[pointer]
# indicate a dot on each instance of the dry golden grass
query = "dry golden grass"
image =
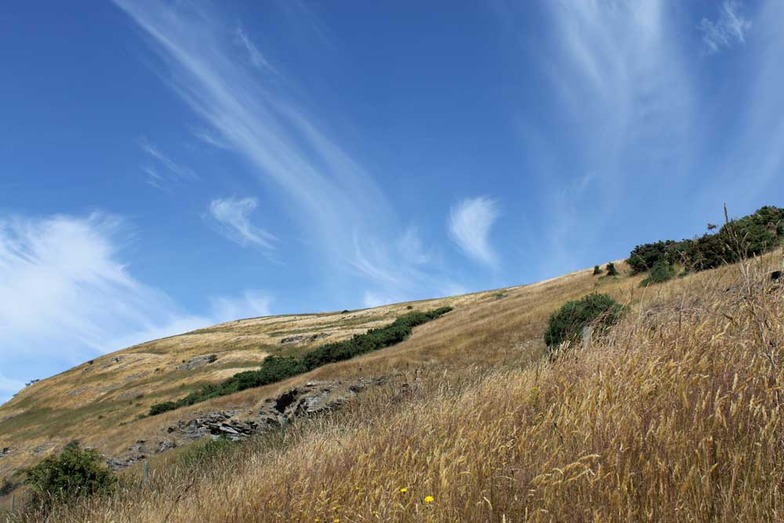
(100, 402)
(674, 416)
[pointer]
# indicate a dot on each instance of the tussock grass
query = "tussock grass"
(675, 415)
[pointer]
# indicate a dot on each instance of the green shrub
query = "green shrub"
(75, 473)
(660, 272)
(566, 324)
(611, 270)
(645, 256)
(751, 235)
(199, 452)
(159, 408)
(597, 270)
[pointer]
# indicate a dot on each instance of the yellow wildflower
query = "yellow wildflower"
(429, 499)
(403, 490)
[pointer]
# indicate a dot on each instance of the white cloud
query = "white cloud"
(729, 29)
(210, 139)
(335, 200)
(164, 171)
(233, 217)
(470, 223)
(251, 303)
(254, 55)
(620, 103)
(66, 296)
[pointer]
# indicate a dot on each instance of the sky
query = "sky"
(168, 165)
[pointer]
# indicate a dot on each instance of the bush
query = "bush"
(751, 235)
(644, 257)
(75, 473)
(596, 270)
(567, 323)
(611, 270)
(661, 272)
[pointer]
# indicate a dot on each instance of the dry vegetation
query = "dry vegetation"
(674, 416)
(99, 403)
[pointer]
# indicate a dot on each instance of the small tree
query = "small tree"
(611, 270)
(76, 472)
(567, 323)
(597, 270)
(660, 272)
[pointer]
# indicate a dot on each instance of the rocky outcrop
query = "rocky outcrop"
(310, 399)
(4, 451)
(303, 338)
(198, 361)
(138, 452)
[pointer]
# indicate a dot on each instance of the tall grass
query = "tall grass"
(675, 415)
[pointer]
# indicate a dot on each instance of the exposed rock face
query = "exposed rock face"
(199, 361)
(313, 398)
(303, 338)
(139, 452)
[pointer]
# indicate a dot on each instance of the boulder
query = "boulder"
(198, 361)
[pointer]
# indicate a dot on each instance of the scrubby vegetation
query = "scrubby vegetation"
(611, 270)
(76, 472)
(748, 236)
(278, 368)
(597, 310)
(660, 273)
(677, 416)
(202, 452)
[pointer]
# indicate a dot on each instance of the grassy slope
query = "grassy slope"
(674, 417)
(99, 402)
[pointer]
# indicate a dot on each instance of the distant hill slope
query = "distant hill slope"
(103, 402)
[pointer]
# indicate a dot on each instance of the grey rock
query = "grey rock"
(311, 399)
(303, 338)
(198, 361)
(40, 449)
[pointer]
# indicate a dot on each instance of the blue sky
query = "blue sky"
(169, 165)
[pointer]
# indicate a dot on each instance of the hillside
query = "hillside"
(102, 402)
(673, 416)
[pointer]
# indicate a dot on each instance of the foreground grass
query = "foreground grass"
(675, 416)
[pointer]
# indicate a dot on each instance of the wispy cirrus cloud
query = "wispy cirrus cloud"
(66, 296)
(470, 223)
(254, 55)
(620, 104)
(251, 303)
(162, 171)
(233, 216)
(728, 29)
(749, 169)
(335, 199)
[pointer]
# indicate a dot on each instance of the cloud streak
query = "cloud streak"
(233, 216)
(620, 112)
(254, 55)
(162, 172)
(730, 28)
(470, 223)
(335, 200)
